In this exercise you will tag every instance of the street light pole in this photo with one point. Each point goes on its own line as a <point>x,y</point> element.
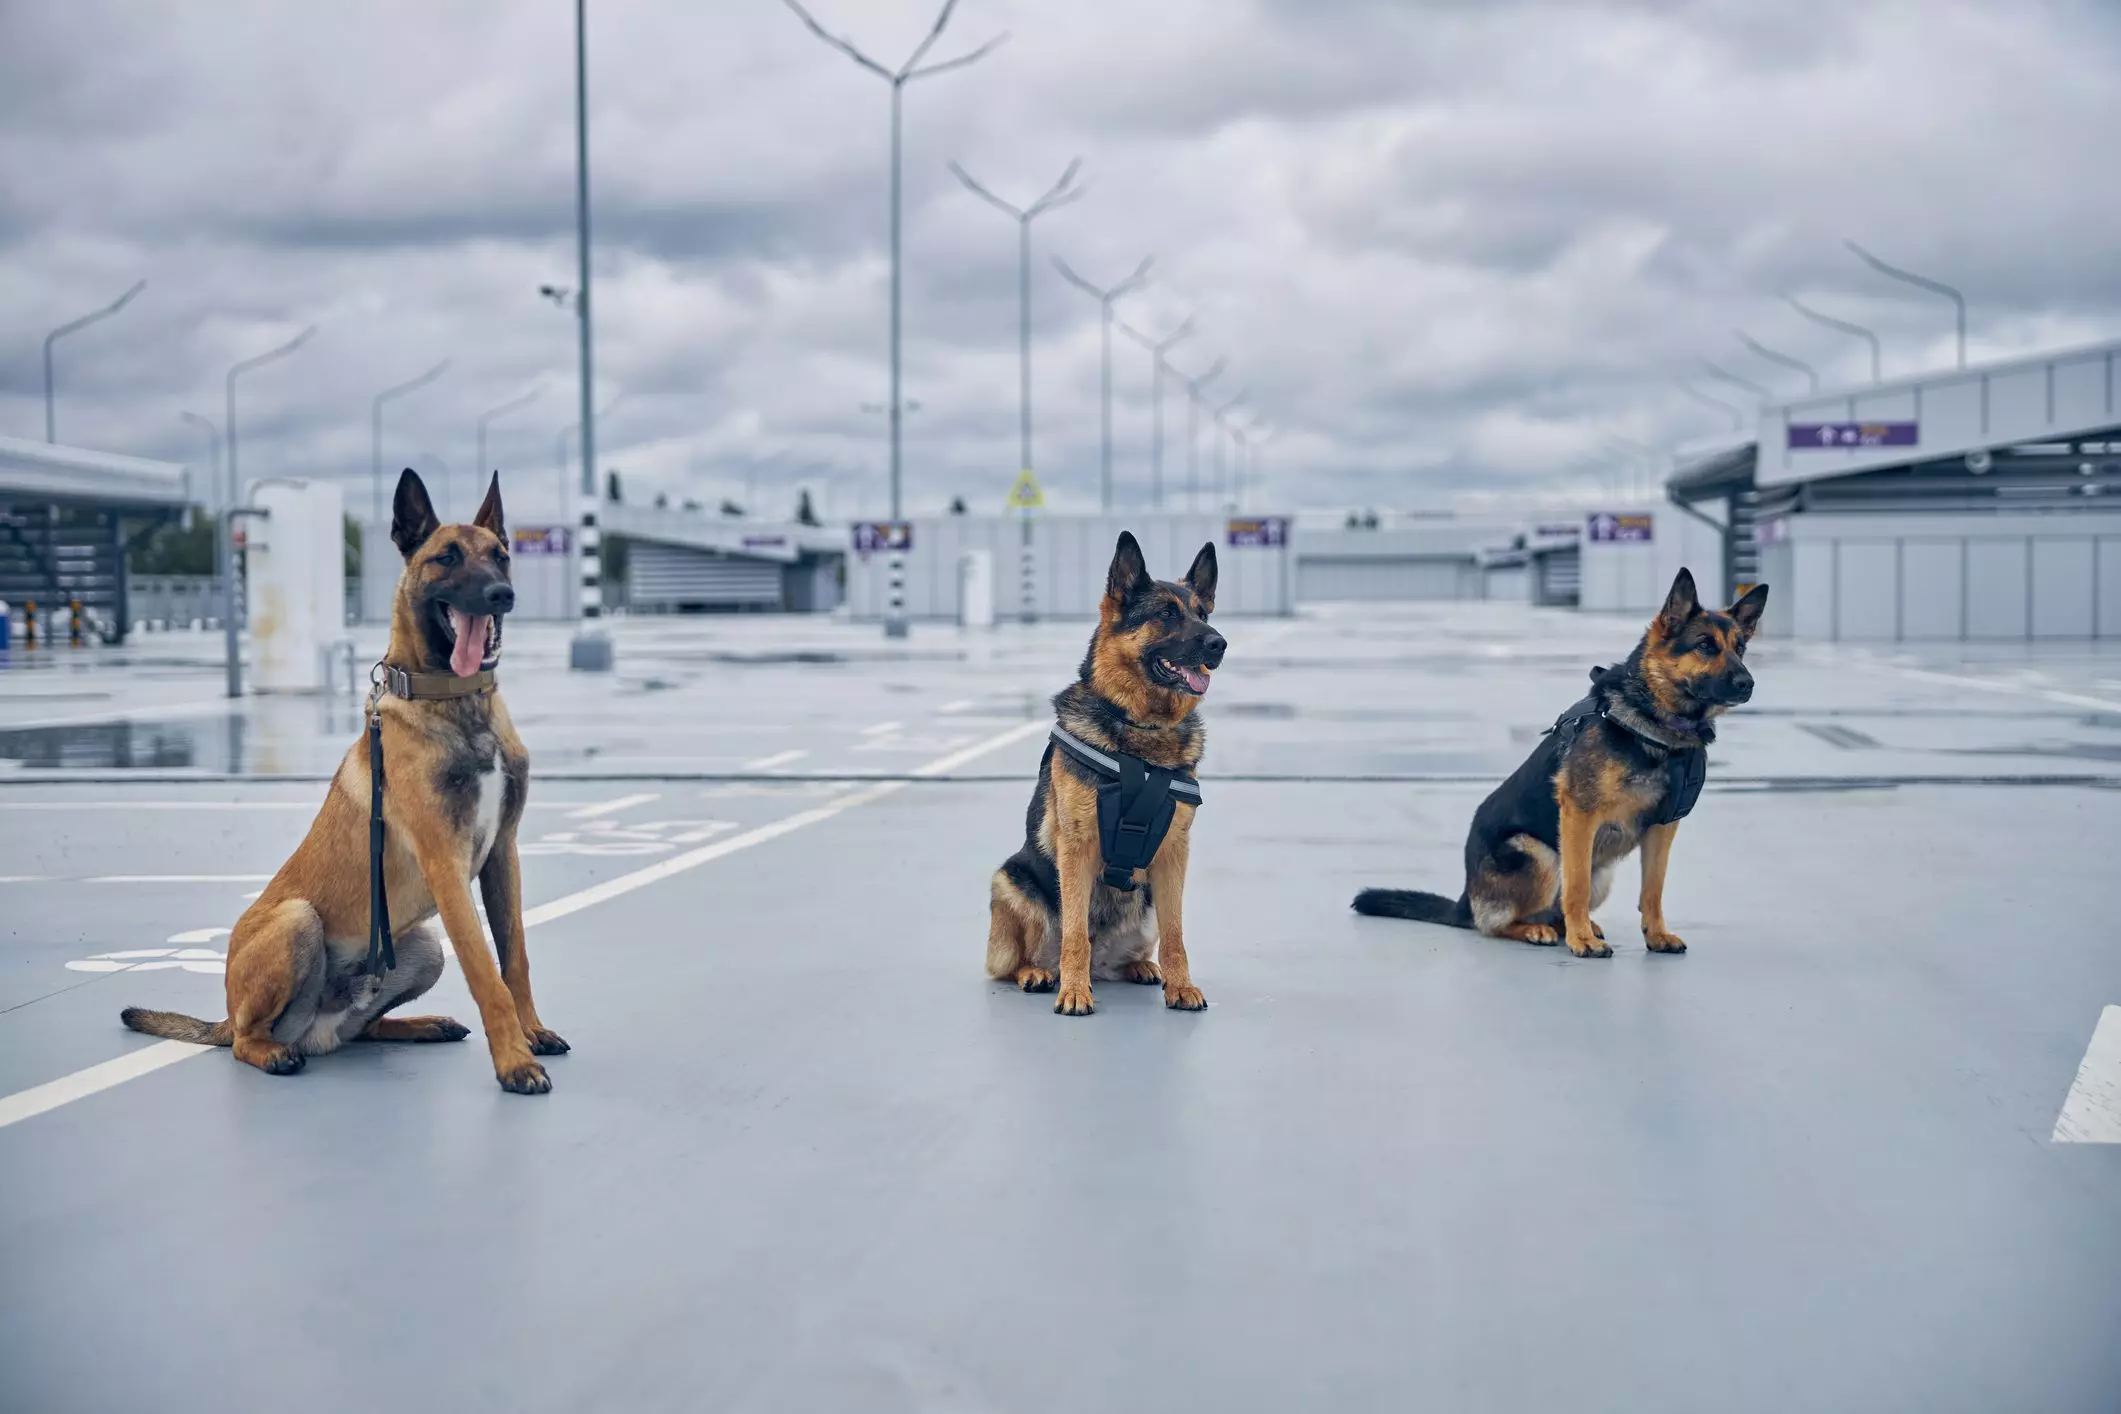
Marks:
<point>1845,327</point>
<point>1810,373</point>
<point>895,620</point>
<point>226,554</point>
<point>51,418</point>
<point>486,418</point>
<point>1922,281</point>
<point>1104,300</point>
<point>1219,419</point>
<point>375,438</point>
<point>1764,394</point>
<point>1060,194</point>
<point>1157,369</point>
<point>590,650</point>
<point>1193,387</point>
<point>1737,417</point>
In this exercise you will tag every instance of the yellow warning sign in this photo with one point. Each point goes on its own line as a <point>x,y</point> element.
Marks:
<point>1025,495</point>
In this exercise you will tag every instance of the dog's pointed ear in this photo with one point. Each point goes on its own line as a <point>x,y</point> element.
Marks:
<point>1201,578</point>
<point>1747,611</point>
<point>1129,574</point>
<point>1679,605</point>
<point>412,515</point>
<point>489,516</point>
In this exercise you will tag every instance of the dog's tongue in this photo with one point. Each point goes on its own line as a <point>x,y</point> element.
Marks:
<point>1195,679</point>
<point>470,648</point>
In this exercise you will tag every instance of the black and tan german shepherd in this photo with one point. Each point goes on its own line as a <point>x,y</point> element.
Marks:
<point>1145,672</point>
<point>1541,852</point>
<point>454,779</point>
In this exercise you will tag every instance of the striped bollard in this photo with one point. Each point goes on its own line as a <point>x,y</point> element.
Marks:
<point>592,565</point>
<point>895,625</point>
<point>1029,612</point>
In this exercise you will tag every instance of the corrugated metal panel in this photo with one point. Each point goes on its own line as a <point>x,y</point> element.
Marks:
<point>668,576</point>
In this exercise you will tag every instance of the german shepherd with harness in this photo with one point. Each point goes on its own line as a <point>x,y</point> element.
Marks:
<point>305,972</point>
<point>1102,874</point>
<point>1619,769</point>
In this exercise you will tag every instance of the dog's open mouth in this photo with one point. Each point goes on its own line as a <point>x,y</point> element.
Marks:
<point>474,640</point>
<point>1191,679</point>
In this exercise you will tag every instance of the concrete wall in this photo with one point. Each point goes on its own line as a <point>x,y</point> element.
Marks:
<point>1069,558</point>
<point>1632,577</point>
<point>1916,577</point>
<point>544,584</point>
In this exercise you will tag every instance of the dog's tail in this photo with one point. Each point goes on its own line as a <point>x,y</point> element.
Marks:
<point>175,1026</point>
<point>1414,904</point>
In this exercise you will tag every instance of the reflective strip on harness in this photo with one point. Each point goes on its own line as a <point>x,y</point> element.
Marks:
<point>1136,803</point>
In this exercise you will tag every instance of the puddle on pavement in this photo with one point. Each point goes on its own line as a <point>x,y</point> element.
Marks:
<point>281,738</point>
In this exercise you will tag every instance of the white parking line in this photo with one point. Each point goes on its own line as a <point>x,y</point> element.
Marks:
<point>611,807</point>
<point>2092,1113</point>
<point>881,727</point>
<point>779,758</point>
<point>25,1104</point>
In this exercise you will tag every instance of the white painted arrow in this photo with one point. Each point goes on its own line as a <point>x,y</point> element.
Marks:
<point>2092,1113</point>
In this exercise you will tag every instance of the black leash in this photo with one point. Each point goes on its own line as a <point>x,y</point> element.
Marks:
<point>384,677</point>
<point>382,953</point>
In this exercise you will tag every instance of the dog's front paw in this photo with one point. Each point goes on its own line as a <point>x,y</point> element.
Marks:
<point>1587,945</point>
<point>1034,979</point>
<point>1074,1000</point>
<point>1141,972</point>
<point>523,1078</point>
<point>546,1042</point>
<point>1185,998</point>
<point>1597,931</point>
<point>1661,941</point>
<point>279,1060</point>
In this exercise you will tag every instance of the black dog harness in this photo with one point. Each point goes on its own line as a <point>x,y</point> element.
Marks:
<point>1686,768</point>
<point>1135,806</point>
<point>382,952</point>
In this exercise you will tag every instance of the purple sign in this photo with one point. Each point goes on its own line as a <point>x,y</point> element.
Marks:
<point>1829,436</point>
<point>540,539</point>
<point>1625,529</point>
<point>1265,532</point>
<point>870,536</point>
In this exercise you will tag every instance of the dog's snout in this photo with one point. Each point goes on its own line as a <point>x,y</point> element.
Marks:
<point>500,597</point>
<point>1213,646</point>
<point>1741,686</point>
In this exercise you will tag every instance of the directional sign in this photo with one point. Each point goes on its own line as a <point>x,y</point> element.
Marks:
<point>540,539</point>
<point>1633,529</point>
<point>1837,436</point>
<point>1025,495</point>
<point>870,536</point>
<point>1262,532</point>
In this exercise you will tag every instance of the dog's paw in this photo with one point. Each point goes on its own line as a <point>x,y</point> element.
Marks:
<point>1074,1000</point>
<point>1597,932</point>
<point>419,1028</point>
<point>1588,947</point>
<point>546,1042</point>
<point>1186,998</point>
<point>1539,935</point>
<point>1661,941</point>
<point>1034,979</point>
<point>523,1078</point>
<point>1141,972</point>
<point>281,1060</point>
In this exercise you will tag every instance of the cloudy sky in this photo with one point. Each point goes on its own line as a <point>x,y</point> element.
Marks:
<point>1446,246</point>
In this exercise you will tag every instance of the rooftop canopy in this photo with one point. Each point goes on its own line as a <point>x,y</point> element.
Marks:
<point>42,471</point>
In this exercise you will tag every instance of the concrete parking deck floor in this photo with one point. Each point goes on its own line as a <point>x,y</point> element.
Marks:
<point>804,1156</point>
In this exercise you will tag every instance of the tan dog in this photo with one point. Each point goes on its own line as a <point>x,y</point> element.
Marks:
<point>454,777</point>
